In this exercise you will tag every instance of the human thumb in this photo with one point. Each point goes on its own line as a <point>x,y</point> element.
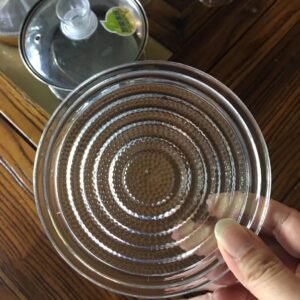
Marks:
<point>253,263</point>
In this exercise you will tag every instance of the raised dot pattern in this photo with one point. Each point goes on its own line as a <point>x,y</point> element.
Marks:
<point>135,167</point>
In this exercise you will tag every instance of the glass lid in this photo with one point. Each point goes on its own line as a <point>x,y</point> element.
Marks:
<point>64,42</point>
<point>12,14</point>
<point>135,168</point>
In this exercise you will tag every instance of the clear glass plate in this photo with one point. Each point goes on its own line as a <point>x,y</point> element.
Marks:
<point>137,165</point>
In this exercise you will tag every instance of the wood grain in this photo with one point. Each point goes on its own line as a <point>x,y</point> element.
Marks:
<point>209,44</point>
<point>270,88</point>
<point>181,5</point>
<point>194,17</point>
<point>28,260</point>
<point>6,293</point>
<point>16,154</point>
<point>27,257</point>
<point>164,23</point>
<point>173,24</point>
<point>251,45</point>
<point>16,107</point>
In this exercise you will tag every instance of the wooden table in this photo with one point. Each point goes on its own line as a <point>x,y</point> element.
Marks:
<point>252,46</point>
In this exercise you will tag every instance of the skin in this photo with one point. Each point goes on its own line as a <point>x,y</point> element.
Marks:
<point>265,267</point>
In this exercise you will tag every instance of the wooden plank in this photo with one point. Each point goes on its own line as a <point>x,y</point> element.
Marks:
<point>209,44</point>
<point>173,24</point>
<point>6,293</point>
<point>16,155</point>
<point>15,106</point>
<point>164,23</point>
<point>261,63</point>
<point>194,17</point>
<point>27,257</point>
<point>272,87</point>
<point>271,91</point>
<point>181,5</point>
<point>261,38</point>
<point>263,69</point>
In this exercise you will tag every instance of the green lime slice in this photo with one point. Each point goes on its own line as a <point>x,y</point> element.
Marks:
<point>119,20</point>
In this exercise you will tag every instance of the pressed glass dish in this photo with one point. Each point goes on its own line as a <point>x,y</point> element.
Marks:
<point>137,165</point>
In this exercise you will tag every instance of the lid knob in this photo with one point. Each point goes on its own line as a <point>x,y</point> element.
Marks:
<point>78,21</point>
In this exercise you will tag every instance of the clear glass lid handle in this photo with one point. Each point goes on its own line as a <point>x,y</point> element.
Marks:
<point>77,20</point>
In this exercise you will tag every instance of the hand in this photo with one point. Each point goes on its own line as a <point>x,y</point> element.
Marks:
<point>262,273</point>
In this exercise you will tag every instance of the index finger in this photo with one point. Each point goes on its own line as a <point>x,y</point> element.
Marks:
<point>283,223</point>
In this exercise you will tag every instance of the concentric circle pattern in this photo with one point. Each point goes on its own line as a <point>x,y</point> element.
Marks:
<point>129,168</point>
